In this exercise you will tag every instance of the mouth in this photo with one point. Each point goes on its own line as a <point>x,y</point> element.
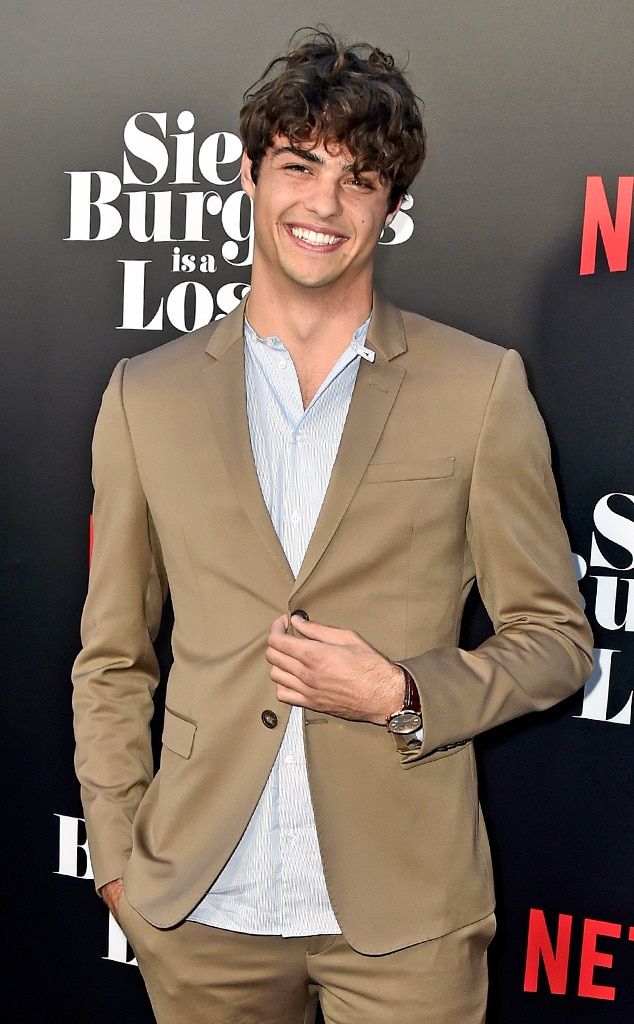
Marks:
<point>315,241</point>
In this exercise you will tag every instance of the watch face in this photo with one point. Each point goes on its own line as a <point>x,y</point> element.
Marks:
<point>404,722</point>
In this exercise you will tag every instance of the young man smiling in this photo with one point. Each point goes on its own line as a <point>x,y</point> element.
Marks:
<point>319,480</point>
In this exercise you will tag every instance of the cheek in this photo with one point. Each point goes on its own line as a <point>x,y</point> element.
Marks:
<point>371,227</point>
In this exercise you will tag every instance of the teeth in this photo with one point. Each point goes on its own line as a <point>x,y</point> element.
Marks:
<point>315,237</point>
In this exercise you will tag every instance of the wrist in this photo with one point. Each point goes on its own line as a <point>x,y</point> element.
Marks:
<point>406,718</point>
<point>391,695</point>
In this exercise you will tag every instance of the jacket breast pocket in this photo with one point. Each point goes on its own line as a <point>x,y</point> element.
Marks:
<point>425,469</point>
<point>178,733</point>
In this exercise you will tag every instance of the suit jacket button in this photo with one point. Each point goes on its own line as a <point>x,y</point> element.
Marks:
<point>269,718</point>
<point>302,614</point>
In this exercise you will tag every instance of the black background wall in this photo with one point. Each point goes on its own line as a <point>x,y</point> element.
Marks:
<point>525,101</point>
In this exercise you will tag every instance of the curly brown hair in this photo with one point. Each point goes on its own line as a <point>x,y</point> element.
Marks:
<point>350,95</point>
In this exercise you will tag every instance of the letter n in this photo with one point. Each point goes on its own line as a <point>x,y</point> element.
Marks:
<point>597,218</point>
<point>539,949</point>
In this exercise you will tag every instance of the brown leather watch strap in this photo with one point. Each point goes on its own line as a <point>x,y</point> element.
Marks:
<point>406,744</point>
<point>412,696</point>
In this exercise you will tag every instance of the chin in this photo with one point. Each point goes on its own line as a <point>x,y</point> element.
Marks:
<point>313,280</point>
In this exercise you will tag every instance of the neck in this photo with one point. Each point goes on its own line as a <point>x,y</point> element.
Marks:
<point>307,319</point>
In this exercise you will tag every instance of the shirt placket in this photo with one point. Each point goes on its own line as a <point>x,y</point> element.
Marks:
<point>299,850</point>
<point>294,793</point>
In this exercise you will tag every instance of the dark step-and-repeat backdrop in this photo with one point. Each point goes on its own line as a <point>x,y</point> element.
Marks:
<point>124,225</point>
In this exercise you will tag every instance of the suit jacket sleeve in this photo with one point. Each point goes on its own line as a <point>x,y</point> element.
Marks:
<point>115,674</point>
<point>519,552</point>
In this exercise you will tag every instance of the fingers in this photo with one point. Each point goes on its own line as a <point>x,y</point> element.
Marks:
<point>291,697</point>
<point>320,631</point>
<point>284,662</point>
<point>280,625</point>
<point>308,659</point>
<point>111,894</point>
<point>112,903</point>
<point>286,671</point>
<point>290,689</point>
<point>299,664</point>
<point>313,630</point>
<point>304,648</point>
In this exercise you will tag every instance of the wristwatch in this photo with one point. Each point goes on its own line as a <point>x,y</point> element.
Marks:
<point>408,718</point>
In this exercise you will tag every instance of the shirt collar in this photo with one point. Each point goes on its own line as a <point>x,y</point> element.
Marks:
<point>357,342</point>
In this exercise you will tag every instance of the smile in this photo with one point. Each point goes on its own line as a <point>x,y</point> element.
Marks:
<point>315,239</point>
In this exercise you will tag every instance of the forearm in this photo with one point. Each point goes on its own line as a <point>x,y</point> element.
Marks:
<point>113,757</point>
<point>464,693</point>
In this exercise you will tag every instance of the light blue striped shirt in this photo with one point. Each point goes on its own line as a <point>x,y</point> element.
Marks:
<point>273,884</point>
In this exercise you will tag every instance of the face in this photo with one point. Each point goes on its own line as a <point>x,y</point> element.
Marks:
<point>315,222</point>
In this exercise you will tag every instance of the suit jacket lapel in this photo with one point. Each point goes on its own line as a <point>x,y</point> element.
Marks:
<point>375,391</point>
<point>225,392</point>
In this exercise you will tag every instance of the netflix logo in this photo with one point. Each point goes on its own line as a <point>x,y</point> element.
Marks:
<point>552,968</point>
<point>599,222</point>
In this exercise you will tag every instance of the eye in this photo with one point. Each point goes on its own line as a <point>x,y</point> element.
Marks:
<point>296,167</point>
<point>362,183</point>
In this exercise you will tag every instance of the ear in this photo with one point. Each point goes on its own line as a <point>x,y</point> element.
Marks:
<point>246,180</point>
<point>390,217</point>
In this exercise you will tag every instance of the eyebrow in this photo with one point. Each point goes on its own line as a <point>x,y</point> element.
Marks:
<point>306,154</point>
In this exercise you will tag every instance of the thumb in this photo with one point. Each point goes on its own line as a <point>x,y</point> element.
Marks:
<point>280,624</point>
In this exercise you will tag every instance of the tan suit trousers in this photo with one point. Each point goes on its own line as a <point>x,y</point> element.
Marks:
<point>195,974</point>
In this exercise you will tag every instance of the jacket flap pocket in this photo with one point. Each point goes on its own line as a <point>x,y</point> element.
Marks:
<point>412,760</point>
<point>427,469</point>
<point>178,733</point>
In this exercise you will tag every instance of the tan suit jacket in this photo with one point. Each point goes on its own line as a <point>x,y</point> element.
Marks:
<point>442,478</point>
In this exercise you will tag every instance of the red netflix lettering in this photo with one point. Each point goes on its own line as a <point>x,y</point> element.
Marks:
<point>540,950</point>
<point>550,950</point>
<point>591,958</point>
<point>597,218</point>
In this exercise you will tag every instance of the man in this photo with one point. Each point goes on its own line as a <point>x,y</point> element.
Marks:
<point>319,480</point>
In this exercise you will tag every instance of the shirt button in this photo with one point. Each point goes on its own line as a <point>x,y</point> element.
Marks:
<point>270,343</point>
<point>291,836</point>
<point>290,759</point>
<point>269,718</point>
<point>295,517</point>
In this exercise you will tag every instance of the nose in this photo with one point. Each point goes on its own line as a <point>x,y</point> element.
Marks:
<point>323,199</point>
